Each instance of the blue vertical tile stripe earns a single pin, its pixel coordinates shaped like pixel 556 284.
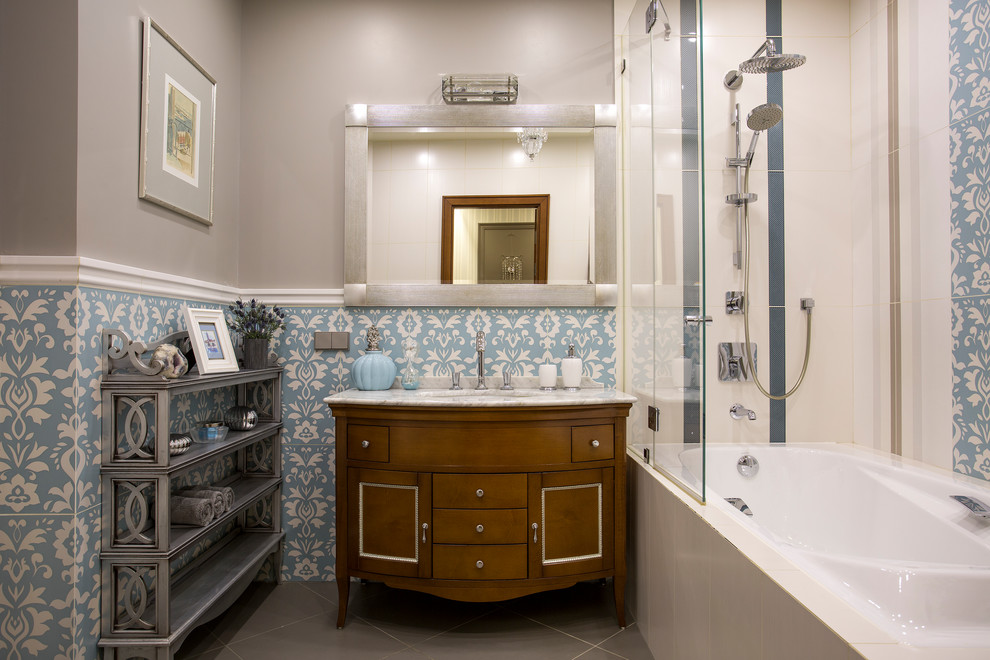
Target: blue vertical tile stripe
pixel 775 224
pixel 969 138
pixel 50 423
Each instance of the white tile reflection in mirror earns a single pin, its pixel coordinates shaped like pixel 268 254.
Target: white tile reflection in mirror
pixel 409 176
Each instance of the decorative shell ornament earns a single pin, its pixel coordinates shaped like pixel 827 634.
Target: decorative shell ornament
pixel 240 418
pixel 174 363
pixel 179 443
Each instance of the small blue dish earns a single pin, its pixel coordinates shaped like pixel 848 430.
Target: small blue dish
pixel 212 432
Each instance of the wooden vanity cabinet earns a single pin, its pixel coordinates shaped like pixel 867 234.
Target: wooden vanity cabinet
pixel 480 504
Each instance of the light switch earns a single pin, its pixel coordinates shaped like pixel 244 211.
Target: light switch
pixel 331 341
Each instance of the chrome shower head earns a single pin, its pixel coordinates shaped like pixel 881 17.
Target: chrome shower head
pixel 764 117
pixel 772 61
pixel 761 118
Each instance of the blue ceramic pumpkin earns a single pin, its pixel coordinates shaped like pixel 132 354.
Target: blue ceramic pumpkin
pixel 373 371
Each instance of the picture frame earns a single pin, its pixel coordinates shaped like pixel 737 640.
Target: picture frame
pixel 178 122
pixel 210 340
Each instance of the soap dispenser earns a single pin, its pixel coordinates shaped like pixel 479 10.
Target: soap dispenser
pixel 681 369
pixel 570 371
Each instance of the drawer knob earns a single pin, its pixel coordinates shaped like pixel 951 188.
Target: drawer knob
pixel 479 493
pixel 480 528
pixel 595 443
pixel 479 564
pixel 365 444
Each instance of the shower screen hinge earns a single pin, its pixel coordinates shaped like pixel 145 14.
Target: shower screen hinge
pixel 651 15
pixel 653 418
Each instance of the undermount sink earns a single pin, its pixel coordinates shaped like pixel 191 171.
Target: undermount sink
pixel 440 394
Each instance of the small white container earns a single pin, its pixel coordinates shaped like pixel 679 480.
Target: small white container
pixel 682 369
pixel 548 376
pixel 570 370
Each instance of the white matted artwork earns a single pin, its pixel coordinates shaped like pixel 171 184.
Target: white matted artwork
pixel 210 340
pixel 178 121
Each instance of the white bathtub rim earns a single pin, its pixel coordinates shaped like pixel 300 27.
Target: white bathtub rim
pixel 873 642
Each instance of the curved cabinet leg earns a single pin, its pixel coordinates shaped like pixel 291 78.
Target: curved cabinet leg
pixel 343 589
pixel 619 587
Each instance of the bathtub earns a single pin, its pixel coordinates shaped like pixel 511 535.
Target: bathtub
pixel 883 535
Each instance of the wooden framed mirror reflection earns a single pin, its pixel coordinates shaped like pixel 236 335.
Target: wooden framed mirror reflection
pixel 494 239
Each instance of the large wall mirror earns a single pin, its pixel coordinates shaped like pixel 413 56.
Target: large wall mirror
pixel 402 162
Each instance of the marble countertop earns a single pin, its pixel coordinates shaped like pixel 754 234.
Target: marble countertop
pixel 526 393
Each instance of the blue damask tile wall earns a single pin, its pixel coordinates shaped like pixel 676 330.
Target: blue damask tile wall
pixel 969 75
pixel 50 424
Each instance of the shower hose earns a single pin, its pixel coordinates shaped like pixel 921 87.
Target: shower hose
pixel 749 350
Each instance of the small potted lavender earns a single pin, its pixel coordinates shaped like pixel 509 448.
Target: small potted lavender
pixel 256 323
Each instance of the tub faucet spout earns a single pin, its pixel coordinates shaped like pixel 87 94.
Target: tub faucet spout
pixel 479 344
pixel 739 411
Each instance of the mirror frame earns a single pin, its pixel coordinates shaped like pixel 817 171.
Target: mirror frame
pixel 602 291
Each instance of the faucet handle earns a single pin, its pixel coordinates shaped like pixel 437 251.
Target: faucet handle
pixel 479 340
pixel 455 380
pixel 506 379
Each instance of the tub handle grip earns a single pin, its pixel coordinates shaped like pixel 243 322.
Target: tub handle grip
pixel 976 507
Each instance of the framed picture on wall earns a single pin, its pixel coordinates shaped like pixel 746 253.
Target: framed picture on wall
pixel 178 118
pixel 210 340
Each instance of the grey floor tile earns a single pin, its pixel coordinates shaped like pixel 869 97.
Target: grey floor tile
pixel 503 634
pixel 412 616
pixel 408 654
pixel 200 642
pixel 586 610
pixel 264 607
pixel 597 653
pixel 326 590
pixel 629 644
pixel 221 653
pixel 319 638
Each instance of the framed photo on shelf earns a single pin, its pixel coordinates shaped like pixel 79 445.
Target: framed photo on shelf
pixel 178 118
pixel 210 340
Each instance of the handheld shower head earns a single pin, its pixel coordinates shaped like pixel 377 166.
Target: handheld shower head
pixel 762 118
pixel 771 61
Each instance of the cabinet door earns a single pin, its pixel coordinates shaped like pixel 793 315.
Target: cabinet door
pixel 574 517
pixel 390 530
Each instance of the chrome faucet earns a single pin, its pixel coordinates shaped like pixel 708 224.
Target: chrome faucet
pixel 738 411
pixel 479 344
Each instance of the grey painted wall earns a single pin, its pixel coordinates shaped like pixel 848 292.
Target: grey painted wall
pixel 285 71
pixel 113 224
pixel 303 60
pixel 38 140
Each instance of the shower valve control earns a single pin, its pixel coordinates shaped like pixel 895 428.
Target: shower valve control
pixel 733 302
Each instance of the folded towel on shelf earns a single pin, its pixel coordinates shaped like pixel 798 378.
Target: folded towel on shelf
pixel 190 510
pixel 226 492
pixel 215 498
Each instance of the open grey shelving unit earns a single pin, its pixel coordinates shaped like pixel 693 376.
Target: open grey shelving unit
pixel 160 580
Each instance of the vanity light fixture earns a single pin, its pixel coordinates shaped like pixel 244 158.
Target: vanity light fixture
pixel 532 140
pixel 479 88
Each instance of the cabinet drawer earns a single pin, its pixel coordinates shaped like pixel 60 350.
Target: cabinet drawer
pixel 479 562
pixel 367 443
pixel 479 526
pixel 479 491
pixel 592 443
pixel 501 447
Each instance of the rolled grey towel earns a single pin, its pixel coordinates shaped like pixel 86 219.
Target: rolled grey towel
pixel 226 491
pixel 212 495
pixel 190 510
